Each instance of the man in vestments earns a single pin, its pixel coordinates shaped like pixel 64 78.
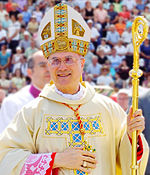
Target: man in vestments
pixel 39 73
pixel 70 129
pixel 144 104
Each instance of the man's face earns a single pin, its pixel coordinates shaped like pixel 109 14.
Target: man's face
pixel 40 74
pixel 66 69
pixel 94 61
pixel 123 100
pixel 26 37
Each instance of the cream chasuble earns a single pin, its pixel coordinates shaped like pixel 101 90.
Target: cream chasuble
pixel 46 125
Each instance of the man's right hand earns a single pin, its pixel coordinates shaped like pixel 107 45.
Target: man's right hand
pixel 73 158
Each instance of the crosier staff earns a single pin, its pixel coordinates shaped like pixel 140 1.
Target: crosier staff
pixel 139 34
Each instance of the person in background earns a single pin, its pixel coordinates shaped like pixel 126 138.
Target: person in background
pixel 89 78
pixel 125 13
pixel 8 5
pixel 145 53
pixel 26 14
pixel 112 36
pixel 113 14
pixel 2 12
pixel 106 4
pixel 13 34
pixel 94 68
pixel 4 82
pixel 16 59
pixel 114 58
pixel 32 49
pixel 18 81
pixel 120 49
pixel 129 55
pixel 146 82
pixel 33 25
pixel 39 74
pixel 146 13
pixel 20 19
pixel 2 96
pixel 144 105
pixel 104 46
pixel 6 22
pixel 100 15
pixel 130 4
pixel 101 56
pixel 38 13
pixel 26 42
pixel 104 78
pixel 88 11
pixel 24 66
pixel 123 98
pixel 117 6
pixel 120 25
pixel 94 33
pixel 3 36
pixel 127 35
pixel 4 58
pixel 14 10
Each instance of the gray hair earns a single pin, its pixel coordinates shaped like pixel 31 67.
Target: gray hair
pixel 94 56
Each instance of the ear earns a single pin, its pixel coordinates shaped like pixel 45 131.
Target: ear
pixel 82 62
pixel 29 72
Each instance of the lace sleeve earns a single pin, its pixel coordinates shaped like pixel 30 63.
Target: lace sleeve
pixel 40 164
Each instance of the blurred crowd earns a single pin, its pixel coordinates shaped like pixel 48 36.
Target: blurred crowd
pixel 110 54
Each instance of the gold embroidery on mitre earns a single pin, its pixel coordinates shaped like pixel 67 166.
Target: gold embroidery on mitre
pixel 61 43
pixel 77 29
pixel 61 20
pixel 46 33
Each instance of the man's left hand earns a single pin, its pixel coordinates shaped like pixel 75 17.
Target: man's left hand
pixel 135 122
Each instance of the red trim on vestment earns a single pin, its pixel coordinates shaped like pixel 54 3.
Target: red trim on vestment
pixel 139 147
pixel 49 170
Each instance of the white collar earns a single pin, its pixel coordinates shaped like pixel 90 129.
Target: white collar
pixel 76 96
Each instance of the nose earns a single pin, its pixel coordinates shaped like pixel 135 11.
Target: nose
pixel 62 65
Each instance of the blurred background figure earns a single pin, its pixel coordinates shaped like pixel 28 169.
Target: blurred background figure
pixel 33 25
pixel 144 104
pixel 2 96
pixel 16 59
pixel 4 82
pixel 3 36
pixel 89 78
pixel 13 33
pixel 104 78
pixel 94 33
pixel 94 68
pixel 18 81
pixel 88 11
pixel 4 58
pixel 112 36
pixel 39 73
pixel 123 98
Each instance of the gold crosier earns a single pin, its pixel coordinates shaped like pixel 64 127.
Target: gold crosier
pixel 139 34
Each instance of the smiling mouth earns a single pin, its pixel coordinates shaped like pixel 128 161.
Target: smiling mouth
pixel 61 75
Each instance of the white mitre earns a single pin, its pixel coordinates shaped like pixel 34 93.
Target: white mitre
pixel 63 29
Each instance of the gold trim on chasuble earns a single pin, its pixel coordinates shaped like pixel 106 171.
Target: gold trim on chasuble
pixel 68 128
pixel 61 41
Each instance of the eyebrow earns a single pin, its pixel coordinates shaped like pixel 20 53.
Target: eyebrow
pixel 68 56
pixel 41 63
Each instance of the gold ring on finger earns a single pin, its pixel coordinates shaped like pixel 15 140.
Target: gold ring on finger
pixel 84 164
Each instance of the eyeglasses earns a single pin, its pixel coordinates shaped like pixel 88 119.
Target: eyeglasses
pixel 68 61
